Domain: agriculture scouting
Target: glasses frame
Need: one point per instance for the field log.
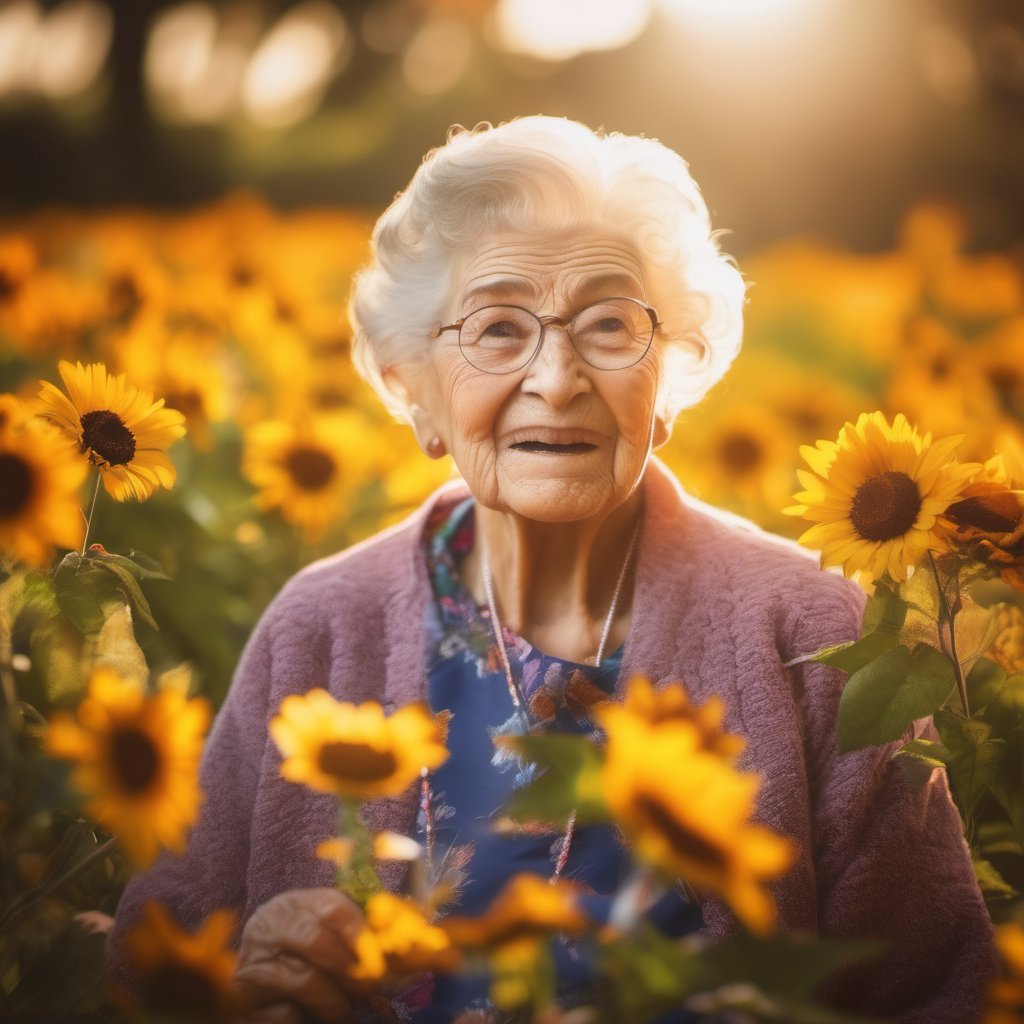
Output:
(561, 321)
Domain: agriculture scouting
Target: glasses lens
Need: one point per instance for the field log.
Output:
(499, 339)
(612, 334)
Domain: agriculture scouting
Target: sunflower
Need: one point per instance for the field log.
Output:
(670, 704)
(741, 455)
(876, 494)
(1007, 649)
(120, 428)
(187, 975)
(310, 469)
(397, 939)
(686, 811)
(526, 911)
(986, 521)
(40, 478)
(137, 759)
(12, 412)
(1004, 997)
(354, 750)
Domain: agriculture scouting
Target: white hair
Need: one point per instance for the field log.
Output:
(549, 174)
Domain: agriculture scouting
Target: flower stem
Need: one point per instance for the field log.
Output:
(947, 617)
(92, 508)
(29, 899)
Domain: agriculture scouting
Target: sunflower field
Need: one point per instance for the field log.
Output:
(181, 430)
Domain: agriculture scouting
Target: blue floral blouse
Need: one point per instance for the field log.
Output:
(468, 793)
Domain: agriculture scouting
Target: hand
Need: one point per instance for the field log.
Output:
(296, 951)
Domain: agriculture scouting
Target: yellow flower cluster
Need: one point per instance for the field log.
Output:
(136, 759)
(354, 750)
(670, 782)
(882, 497)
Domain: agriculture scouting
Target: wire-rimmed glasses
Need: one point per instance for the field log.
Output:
(611, 334)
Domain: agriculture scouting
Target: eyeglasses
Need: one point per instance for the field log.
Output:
(612, 334)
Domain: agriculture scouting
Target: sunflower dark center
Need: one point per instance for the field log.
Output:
(356, 761)
(684, 841)
(136, 760)
(993, 513)
(124, 298)
(885, 506)
(182, 989)
(310, 468)
(16, 480)
(740, 453)
(106, 434)
(242, 275)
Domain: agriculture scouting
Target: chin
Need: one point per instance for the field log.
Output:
(556, 501)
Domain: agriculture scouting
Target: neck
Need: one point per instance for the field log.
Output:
(554, 583)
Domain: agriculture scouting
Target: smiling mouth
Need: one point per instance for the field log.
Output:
(542, 447)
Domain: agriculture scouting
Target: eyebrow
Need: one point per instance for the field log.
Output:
(591, 285)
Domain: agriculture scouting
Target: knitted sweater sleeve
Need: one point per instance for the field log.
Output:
(891, 861)
(212, 871)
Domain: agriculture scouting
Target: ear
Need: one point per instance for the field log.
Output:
(399, 381)
(662, 431)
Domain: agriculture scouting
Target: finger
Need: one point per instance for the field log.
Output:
(289, 977)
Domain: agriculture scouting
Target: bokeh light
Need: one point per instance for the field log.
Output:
(292, 67)
(560, 30)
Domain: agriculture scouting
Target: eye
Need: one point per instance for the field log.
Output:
(502, 329)
(609, 325)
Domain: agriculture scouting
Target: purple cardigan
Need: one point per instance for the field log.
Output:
(718, 604)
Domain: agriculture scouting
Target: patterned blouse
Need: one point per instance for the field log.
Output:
(467, 683)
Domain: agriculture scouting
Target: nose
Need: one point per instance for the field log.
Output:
(556, 373)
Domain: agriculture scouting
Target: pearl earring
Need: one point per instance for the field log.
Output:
(435, 447)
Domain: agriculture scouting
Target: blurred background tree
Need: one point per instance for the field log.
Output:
(832, 116)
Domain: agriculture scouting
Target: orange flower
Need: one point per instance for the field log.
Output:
(187, 975)
(987, 522)
(526, 911)
(671, 704)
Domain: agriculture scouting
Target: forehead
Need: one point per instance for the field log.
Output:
(535, 267)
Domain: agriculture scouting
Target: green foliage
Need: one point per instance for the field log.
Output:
(83, 584)
(569, 780)
(881, 699)
(775, 979)
(974, 759)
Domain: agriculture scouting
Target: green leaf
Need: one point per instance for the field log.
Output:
(569, 780)
(990, 881)
(784, 965)
(142, 567)
(975, 759)
(651, 974)
(919, 758)
(1008, 789)
(80, 588)
(853, 654)
(984, 682)
(881, 699)
(885, 610)
(132, 591)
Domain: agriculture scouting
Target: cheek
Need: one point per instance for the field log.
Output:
(472, 402)
(633, 402)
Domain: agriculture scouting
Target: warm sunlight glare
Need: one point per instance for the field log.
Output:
(290, 71)
(731, 12)
(560, 30)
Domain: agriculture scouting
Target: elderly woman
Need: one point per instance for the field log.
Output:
(541, 302)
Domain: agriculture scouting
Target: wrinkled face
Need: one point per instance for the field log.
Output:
(556, 441)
